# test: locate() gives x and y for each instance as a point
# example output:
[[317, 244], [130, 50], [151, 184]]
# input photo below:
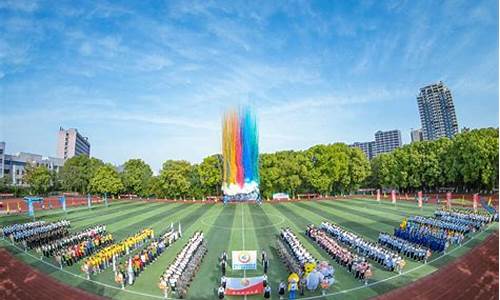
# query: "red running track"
[[472, 276], [19, 281]]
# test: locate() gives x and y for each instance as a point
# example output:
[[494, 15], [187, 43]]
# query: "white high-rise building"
[[416, 135], [71, 143], [386, 141], [437, 112]]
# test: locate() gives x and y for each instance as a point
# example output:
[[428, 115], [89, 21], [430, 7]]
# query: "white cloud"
[[86, 49], [153, 62], [27, 6]]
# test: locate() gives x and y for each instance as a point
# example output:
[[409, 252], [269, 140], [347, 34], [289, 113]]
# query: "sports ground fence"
[[12, 205]]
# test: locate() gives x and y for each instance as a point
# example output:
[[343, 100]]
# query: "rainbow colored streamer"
[[240, 149]]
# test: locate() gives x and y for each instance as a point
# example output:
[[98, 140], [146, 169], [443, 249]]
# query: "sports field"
[[238, 227]]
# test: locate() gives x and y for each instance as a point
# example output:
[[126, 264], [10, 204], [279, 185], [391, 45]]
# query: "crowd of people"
[[357, 265], [181, 272], [404, 247], [50, 249], [470, 218], [38, 236], [9, 230], [127, 271], [288, 259], [72, 254], [102, 259], [298, 250], [434, 239], [386, 258], [440, 224]]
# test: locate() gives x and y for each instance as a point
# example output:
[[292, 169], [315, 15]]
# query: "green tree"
[[329, 168], [359, 168], [155, 188], [269, 174], [292, 171], [175, 178], [39, 179], [77, 173], [472, 159], [383, 166], [210, 174], [106, 180], [197, 189], [135, 177], [468, 161]]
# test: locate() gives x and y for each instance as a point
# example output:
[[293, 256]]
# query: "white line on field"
[[243, 236]]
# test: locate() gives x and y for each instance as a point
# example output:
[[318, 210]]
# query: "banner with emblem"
[[244, 286], [244, 260]]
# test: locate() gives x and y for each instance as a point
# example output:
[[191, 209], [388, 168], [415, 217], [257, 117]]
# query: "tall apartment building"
[[437, 112], [386, 141], [416, 135], [367, 147], [2, 158], [71, 143]]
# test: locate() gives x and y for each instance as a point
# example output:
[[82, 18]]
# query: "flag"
[[393, 196], [62, 201], [130, 272], [244, 286], [474, 201], [378, 195], [448, 200], [31, 209], [420, 199]]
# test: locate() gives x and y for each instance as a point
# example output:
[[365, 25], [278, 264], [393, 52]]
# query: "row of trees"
[[468, 161]]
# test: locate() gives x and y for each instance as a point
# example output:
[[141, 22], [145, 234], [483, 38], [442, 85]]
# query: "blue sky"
[[150, 79]]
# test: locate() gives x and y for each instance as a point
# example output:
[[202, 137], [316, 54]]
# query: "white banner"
[[244, 260]]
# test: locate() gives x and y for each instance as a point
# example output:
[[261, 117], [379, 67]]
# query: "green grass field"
[[235, 227]]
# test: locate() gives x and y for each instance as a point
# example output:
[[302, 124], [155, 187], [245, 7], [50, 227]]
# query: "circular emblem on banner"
[[244, 257], [245, 282]]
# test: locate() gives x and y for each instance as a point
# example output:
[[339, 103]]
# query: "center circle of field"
[[276, 220]]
